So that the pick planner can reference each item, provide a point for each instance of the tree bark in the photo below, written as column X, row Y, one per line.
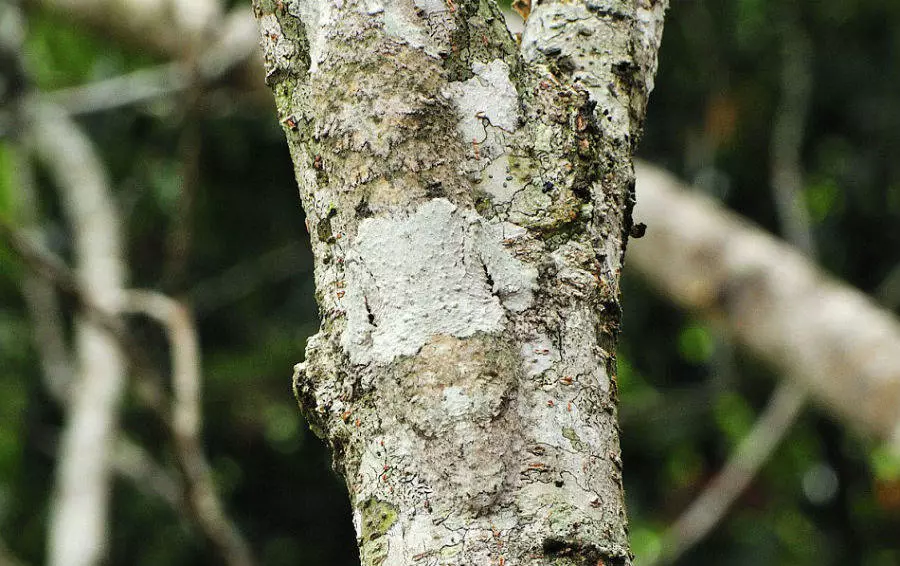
column 469, row 205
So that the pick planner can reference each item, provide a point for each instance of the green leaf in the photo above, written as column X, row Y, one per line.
column 885, row 463
column 696, row 343
column 823, row 199
column 733, row 415
column 7, row 180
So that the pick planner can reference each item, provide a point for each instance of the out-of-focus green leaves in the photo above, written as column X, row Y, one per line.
column 7, row 181
column 751, row 21
column 823, row 199
column 282, row 427
column 885, row 462
column 646, row 542
column 881, row 557
column 893, row 199
column 684, row 467
column 800, row 449
column 632, row 385
column 696, row 343
column 13, row 399
column 60, row 54
column 733, row 415
column 8, row 265
column 228, row 473
column 801, row 541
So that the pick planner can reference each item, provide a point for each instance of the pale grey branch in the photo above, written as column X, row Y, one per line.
column 788, row 400
column 187, row 420
column 78, row 531
column 772, row 301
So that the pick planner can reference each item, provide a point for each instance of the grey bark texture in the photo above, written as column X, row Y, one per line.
column 468, row 199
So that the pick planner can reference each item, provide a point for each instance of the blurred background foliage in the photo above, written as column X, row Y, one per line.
column 206, row 190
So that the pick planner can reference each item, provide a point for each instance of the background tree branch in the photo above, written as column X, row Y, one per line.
column 772, row 300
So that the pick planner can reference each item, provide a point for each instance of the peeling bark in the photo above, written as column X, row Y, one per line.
column 468, row 202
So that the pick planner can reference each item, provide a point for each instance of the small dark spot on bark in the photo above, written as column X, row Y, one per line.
column 551, row 50
column 556, row 546
column 558, row 483
column 565, row 65
column 434, row 189
column 582, row 189
column 363, row 210
column 487, row 275
column 607, row 13
column 638, row 230
column 369, row 312
column 323, row 228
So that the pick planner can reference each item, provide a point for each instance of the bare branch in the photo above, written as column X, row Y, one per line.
column 771, row 300
column 132, row 88
column 787, row 402
column 50, row 267
column 79, row 514
column 186, row 421
column 787, row 139
column 755, row 449
column 40, row 294
column 246, row 277
column 130, row 459
column 236, row 43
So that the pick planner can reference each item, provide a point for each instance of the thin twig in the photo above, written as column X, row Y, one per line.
column 47, row 265
column 79, row 513
column 185, row 418
column 40, row 295
column 235, row 44
column 125, row 90
column 244, row 278
column 131, row 461
column 788, row 400
column 180, row 236
column 186, row 421
column 755, row 449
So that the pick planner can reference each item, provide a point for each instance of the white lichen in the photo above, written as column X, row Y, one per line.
column 316, row 18
column 403, row 25
column 440, row 270
column 489, row 95
column 277, row 49
column 538, row 355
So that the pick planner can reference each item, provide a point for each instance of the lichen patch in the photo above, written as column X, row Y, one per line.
column 440, row 270
column 489, row 95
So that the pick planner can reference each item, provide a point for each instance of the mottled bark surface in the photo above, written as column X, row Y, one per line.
column 469, row 201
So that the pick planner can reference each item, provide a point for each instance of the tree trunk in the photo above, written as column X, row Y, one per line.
column 469, row 204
